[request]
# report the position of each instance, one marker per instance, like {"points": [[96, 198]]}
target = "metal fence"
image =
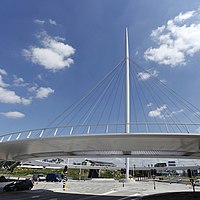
{"points": [[140, 127]]}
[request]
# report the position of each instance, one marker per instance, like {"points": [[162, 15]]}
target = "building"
{"points": [[97, 163], [171, 163]]}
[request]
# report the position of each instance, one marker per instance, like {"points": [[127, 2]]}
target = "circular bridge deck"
{"points": [[42, 143]]}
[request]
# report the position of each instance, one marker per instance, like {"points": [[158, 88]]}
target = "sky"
{"points": [[53, 52]]}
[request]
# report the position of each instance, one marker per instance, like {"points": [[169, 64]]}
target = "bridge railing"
{"points": [[139, 127]]}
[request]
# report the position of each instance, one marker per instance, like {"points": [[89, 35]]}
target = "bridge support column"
{"points": [[127, 168], [127, 96]]}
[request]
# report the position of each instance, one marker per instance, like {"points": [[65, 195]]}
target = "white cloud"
{"points": [[8, 96], [176, 40], [25, 101], [13, 114], [39, 76], [42, 22], [19, 82], [53, 22], [149, 104], [43, 92], [184, 16], [3, 72], [2, 83], [32, 88], [145, 75], [38, 21], [174, 113], [54, 54], [157, 112]]}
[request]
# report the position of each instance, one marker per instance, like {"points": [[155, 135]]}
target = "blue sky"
{"points": [[53, 52]]}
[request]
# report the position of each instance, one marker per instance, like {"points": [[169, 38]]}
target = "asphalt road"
{"points": [[49, 195]]}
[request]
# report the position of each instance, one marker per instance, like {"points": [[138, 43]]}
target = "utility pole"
{"points": [[127, 95]]}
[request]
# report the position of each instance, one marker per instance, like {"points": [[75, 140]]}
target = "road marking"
{"points": [[136, 194], [96, 195], [36, 196], [107, 193], [133, 195]]}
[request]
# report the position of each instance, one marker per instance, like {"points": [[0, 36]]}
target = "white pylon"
{"points": [[127, 96]]}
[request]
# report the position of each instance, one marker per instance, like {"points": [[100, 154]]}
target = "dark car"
{"points": [[19, 185], [197, 182], [53, 178]]}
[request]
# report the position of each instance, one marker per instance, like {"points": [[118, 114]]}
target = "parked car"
{"points": [[19, 185], [197, 182], [4, 182], [38, 177], [53, 178]]}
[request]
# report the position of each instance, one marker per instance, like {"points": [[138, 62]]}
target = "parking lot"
{"points": [[104, 189]]}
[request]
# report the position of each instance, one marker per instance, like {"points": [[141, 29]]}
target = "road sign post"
{"points": [[65, 177], [154, 183], [191, 179], [153, 174]]}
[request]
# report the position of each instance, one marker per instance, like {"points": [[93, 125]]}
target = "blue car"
{"points": [[53, 178]]}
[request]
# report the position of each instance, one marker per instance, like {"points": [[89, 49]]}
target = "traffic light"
{"points": [[65, 169], [153, 172], [189, 173], [123, 171]]}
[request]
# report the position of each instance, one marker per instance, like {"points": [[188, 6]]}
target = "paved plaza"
{"points": [[105, 189]]}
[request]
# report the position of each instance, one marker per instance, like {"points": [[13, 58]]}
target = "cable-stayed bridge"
{"points": [[131, 112]]}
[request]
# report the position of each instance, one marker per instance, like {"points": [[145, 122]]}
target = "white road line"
{"points": [[133, 195], [136, 194], [107, 193], [96, 195], [36, 196]]}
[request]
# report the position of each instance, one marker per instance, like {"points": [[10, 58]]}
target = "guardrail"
{"points": [[139, 127]]}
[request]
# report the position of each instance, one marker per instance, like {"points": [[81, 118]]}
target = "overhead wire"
{"points": [[137, 91], [107, 94], [72, 110], [113, 89], [176, 95], [121, 92], [85, 96], [93, 103], [152, 96], [102, 97], [158, 83], [154, 93]]}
